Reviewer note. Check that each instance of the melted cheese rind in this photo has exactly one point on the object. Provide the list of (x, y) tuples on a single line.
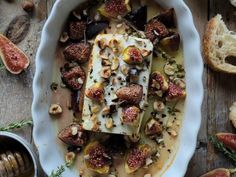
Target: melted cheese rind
[(96, 121)]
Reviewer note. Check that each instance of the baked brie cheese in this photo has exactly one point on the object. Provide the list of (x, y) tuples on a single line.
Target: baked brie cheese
[(117, 84)]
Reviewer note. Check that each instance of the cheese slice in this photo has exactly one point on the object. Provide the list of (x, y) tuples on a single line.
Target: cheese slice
[(111, 47)]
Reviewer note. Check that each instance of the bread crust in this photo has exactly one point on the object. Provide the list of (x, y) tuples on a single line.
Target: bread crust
[(209, 40)]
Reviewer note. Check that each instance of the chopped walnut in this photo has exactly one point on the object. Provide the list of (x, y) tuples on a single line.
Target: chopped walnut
[(55, 109)]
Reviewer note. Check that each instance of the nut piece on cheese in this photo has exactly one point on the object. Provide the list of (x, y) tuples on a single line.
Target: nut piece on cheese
[(95, 92), (131, 94), (118, 88)]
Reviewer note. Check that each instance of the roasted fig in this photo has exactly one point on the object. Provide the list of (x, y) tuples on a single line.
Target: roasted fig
[(73, 77), (132, 55), (130, 115), (131, 94), (171, 43), (158, 84), (167, 18), (95, 92), (153, 128), (228, 139), (96, 158), (155, 30), (138, 18), (136, 158), (95, 28), (79, 53), (175, 92), (115, 8), (73, 135), (220, 172), (13, 58), (77, 30)]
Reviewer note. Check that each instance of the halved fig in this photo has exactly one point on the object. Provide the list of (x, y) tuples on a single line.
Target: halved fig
[(138, 18), (13, 58), (77, 30), (79, 53), (167, 17), (96, 158), (73, 135), (153, 128), (136, 158), (131, 94), (220, 172), (132, 55), (155, 30), (175, 92), (94, 28), (95, 92), (158, 84), (115, 8), (130, 115), (228, 139), (171, 43), (73, 77)]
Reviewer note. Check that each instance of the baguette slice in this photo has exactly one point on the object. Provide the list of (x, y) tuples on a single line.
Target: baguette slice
[(218, 44)]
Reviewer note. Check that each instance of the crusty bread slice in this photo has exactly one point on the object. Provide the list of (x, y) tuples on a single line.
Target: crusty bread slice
[(218, 44)]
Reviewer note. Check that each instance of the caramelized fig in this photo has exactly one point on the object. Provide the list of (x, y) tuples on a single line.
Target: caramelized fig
[(153, 127), (94, 28), (155, 30), (130, 115), (73, 77), (78, 52), (228, 139), (175, 92), (220, 172), (136, 158), (77, 30), (131, 94), (96, 158), (73, 135), (167, 18), (13, 58), (158, 83), (132, 55), (171, 43), (115, 8), (95, 92), (138, 18)]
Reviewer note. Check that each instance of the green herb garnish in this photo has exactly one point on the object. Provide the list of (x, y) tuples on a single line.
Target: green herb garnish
[(230, 154), (58, 172), (17, 125)]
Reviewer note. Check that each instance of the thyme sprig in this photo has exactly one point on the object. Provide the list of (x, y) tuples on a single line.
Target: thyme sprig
[(17, 125), (230, 154), (57, 173)]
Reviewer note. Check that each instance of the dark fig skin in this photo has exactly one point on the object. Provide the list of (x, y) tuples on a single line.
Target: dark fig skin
[(220, 172), (167, 17), (171, 43), (66, 135), (138, 18), (94, 28), (228, 139)]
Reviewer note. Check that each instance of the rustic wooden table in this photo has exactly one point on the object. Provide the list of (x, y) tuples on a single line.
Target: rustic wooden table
[(16, 91)]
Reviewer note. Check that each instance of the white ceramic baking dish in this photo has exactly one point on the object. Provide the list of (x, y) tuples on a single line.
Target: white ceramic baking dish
[(45, 130)]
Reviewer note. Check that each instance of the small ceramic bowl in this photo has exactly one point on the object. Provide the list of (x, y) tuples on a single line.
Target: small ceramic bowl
[(10, 141)]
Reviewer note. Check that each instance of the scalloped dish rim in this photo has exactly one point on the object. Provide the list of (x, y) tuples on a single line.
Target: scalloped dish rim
[(44, 132)]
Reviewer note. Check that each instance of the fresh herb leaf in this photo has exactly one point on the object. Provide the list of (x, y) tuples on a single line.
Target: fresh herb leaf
[(17, 125), (221, 147), (58, 172)]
